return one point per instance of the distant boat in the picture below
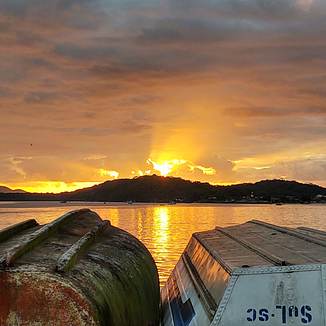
(249, 274)
(130, 202)
(278, 204)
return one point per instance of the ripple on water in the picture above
(166, 230)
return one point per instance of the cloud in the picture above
(212, 83)
(62, 14)
(176, 31)
(192, 170)
(252, 112)
(109, 173)
(41, 97)
(311, 169)
(46, 168)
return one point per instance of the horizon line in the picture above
(93, 184)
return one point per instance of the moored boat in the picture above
(249, 274)
(77, 270)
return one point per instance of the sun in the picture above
(165, 167)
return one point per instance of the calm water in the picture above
(166, 229)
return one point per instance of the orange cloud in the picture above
(230, 87)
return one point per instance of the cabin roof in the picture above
(256, 243)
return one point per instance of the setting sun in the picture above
(166, 167)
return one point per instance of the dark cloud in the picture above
(25, 38)
(176, 31)
(258, 10)
(78, 14)
(140, 100)
(5, 92)
(79, 52)
(41, 97)
(259, 112)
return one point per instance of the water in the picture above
(166, 229)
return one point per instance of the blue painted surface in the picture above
(182, 312)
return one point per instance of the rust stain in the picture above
(39, 299)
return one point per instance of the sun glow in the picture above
(165, 167)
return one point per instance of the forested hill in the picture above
(7, 190)
(165, 189)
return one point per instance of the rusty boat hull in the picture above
(76, 270)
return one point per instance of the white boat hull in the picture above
(204, 290)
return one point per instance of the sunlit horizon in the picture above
(179, 168)
(57, 187)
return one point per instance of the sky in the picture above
(224, 91)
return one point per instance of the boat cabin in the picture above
(248, 275)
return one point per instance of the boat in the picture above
(252, 274)
(78, 270)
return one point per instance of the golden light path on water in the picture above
(166, 229)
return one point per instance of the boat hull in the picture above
(211, 285)
(77, 270)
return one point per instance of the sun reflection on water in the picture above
(161, 225)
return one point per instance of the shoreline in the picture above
(58, 204)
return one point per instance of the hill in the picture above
(7, 190)
(145, 189)
(165, 189)
(274, 191)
